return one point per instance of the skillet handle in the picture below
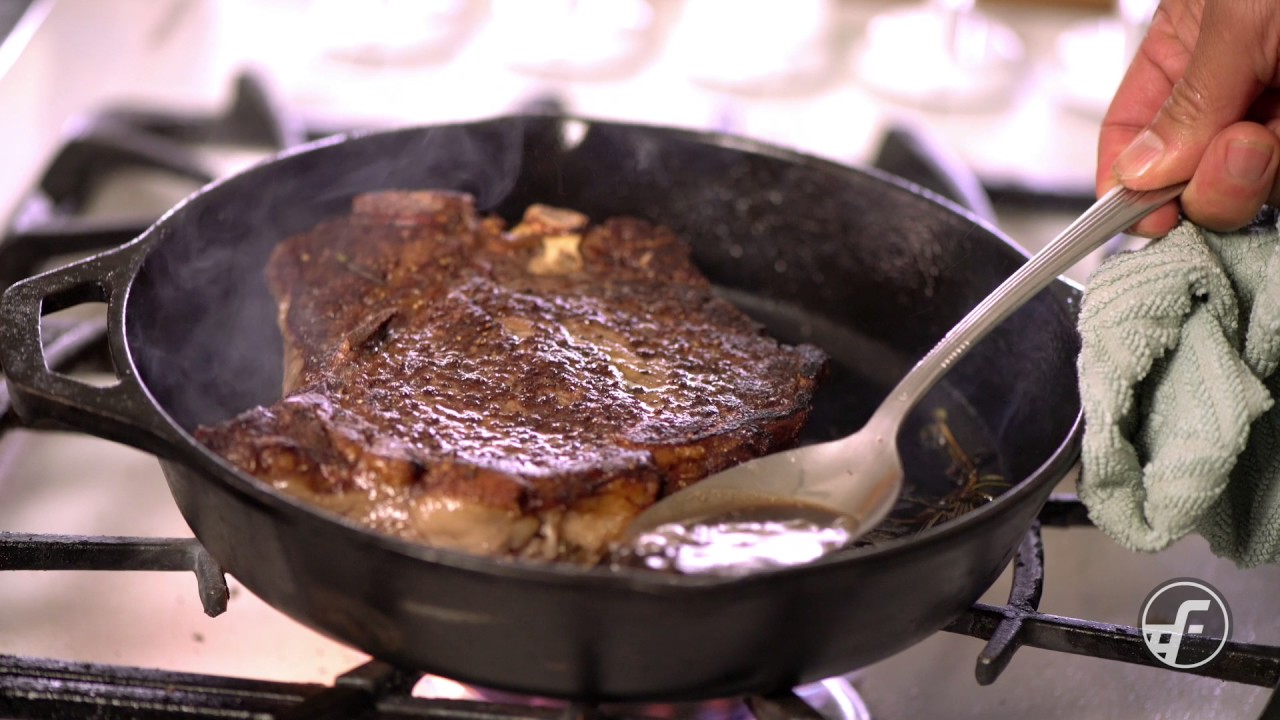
(123, 412)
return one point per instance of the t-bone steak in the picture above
(508, 391)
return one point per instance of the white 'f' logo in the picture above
(1164, 640)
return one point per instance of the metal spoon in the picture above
(855, 481)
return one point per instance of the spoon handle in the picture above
(1115, 211)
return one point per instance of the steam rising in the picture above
(484, 161)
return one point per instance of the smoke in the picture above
(482, 159)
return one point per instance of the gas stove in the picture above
(171, 635)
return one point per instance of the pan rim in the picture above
(1053, 469)
(194, 454)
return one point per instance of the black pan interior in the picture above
(872, 271)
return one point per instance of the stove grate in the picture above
(39, 688)
(47, 226)
(1019, 622)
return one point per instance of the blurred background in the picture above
(1014, 89)
(1002, 100)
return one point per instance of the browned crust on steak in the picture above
(522, 391)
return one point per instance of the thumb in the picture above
(1221, 80)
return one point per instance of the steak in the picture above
(521, 391)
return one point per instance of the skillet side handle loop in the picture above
(122, 412)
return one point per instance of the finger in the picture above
(1237, 175)
(1146, 84)
(1234, 178)
(1225, 74)
(1158, 223)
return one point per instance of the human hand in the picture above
(1199, 102)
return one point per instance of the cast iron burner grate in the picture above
(48, 225)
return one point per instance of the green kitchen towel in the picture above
(1181, 342)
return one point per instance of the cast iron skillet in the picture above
(869, 268)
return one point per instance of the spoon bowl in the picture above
(855, 481)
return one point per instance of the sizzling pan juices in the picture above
(870, 270)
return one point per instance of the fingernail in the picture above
(1248, 161)
(1141, 155)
